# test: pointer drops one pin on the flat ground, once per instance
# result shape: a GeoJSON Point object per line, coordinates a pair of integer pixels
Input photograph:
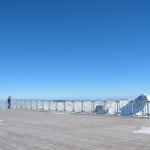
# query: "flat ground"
{"type": "Point", "coordinates": [31, 130]}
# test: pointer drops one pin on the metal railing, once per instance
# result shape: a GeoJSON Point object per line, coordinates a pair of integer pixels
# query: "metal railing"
{"type": "Point", "coordinates": [132, 108]}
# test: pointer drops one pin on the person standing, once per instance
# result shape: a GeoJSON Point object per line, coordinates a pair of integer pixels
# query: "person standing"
{"type": "Point", "coordinates": [9, 102]}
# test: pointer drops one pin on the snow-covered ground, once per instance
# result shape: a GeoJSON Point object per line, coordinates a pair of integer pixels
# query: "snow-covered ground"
{"type": "Point", "coordinates": [58, 130]}
{"type": "Point", "coordinates": [143, 130]}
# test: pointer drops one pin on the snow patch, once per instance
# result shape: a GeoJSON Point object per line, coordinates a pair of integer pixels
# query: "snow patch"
{"type": "Point", "coordinates": [60, 113]}
{"type": "Point", "coordinates": [1, 120]}
{"type": "Point", "coordinates": [143, 130]}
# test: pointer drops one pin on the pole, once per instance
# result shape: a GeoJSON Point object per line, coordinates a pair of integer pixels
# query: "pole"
{"type": "Point", "coordinates": [25, 104]}
{"type": "Point", "coordinates": [132, 112]}
{"type": "Point", "coordinates": [64, 106]}
{"type": "Point", "coordinates": [82, 107]}
{"type": "Point", "coordinates": [73, 109]}
{"type": "Point", "coordinates": [56, 106]}
{"type": "Point", "coordinates": [93, 107]}
{"type": "Point", "coordinates": [148, 109]}
{"type": "Point", "coordinates": [30, 104]}
{"type": "Point", "coordinates": [49, 104]}
{"type": "Point", "coordinates": [117, 105]}
{"type": "Point", "coordinates": [16, 103]}
{"type": "Point", "coordinates": [42, 104]}
{"type": "Point", "coordinates": [36, 104]}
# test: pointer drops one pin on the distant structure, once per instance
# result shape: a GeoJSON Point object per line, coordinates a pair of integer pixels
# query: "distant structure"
{"type": "Point", "coordinates": [139, 106]}
{"type": "Point", "coordinates": [144, 97]}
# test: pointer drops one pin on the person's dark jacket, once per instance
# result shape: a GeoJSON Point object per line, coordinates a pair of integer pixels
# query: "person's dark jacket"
{"type": "Point", "coordinates": [9, 100]}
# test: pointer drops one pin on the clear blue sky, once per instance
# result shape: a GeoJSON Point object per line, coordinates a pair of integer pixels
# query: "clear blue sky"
{"type": "Point", "coordinates": [74, 48]}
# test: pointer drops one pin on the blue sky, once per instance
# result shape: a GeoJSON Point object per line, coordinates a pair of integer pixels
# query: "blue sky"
{"type": "Point", "coordinates": [74, 49]}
